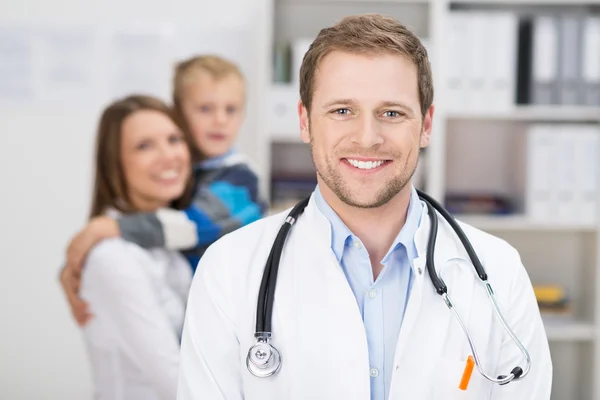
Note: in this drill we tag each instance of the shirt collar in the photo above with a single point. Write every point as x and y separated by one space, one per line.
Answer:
214 162
340 232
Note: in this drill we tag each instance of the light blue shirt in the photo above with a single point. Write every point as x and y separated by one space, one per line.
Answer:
215 162
382 303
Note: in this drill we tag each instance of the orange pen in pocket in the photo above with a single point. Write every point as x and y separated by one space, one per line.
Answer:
466 377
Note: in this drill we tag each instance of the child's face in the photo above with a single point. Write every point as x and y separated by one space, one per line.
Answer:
214 111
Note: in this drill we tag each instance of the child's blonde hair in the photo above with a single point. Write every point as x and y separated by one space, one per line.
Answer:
185 71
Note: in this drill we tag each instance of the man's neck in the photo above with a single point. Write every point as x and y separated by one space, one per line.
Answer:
377 228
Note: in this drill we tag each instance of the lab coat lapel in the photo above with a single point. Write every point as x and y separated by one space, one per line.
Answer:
414 301
330 355
445 250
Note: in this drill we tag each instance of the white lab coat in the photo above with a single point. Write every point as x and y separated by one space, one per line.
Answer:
318 328
137 298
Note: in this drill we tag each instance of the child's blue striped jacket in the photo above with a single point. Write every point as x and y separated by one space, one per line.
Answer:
226 197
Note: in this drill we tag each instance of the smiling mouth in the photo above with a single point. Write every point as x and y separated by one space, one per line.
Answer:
217 136
366 165
168 176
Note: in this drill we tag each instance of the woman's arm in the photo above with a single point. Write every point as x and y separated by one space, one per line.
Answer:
117 286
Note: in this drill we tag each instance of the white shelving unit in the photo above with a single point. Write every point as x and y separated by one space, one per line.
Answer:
535 113
521 223
553 252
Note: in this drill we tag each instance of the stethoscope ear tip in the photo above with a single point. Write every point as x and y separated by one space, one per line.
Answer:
516 373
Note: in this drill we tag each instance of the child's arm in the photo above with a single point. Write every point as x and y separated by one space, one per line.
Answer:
220 208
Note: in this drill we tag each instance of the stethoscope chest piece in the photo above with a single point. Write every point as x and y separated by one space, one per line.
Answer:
263 360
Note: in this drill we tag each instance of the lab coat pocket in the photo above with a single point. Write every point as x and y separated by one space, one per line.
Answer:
447 376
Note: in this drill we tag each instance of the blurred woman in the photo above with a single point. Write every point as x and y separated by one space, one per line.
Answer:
137 296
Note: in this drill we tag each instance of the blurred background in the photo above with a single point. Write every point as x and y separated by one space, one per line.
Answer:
515 146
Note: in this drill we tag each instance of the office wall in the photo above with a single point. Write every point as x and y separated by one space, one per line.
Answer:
45 172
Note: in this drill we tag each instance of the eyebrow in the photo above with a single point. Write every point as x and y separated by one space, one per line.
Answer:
349 102
404 106
341 102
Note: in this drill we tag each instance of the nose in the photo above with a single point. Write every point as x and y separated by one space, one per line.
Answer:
221 116
368 134
169 152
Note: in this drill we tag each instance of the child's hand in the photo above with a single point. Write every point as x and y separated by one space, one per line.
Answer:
99 228
70 282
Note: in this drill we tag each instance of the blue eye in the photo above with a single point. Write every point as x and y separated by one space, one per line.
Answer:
342 111
392 114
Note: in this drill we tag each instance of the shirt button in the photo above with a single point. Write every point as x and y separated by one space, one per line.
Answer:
374 372
373 293
357 244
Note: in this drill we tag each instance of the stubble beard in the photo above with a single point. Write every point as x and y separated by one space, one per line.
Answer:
336 184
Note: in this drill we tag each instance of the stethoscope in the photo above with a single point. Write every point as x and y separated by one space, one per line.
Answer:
264 360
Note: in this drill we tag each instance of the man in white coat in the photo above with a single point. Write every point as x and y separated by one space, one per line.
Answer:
355 313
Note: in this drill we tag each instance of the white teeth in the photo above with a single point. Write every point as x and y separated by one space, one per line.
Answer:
170 174
365 164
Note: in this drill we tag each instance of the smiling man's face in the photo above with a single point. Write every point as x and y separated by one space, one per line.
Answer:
365 126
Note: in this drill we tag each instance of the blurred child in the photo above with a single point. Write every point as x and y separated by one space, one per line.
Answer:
209 98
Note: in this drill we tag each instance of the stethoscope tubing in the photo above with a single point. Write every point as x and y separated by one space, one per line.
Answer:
269 356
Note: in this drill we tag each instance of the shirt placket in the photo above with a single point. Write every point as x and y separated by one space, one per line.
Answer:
372 308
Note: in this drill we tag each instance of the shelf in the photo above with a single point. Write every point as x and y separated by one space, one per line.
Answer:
286 138
521 223
536 113
368 2
569 331
529 2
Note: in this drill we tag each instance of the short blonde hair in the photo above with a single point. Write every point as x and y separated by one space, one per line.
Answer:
185 71
367 34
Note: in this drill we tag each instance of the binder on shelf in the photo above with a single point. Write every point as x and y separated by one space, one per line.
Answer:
477 52
281 63
283 112
587 174
565 137
481 57
299 49
540 202
524 61
569 86
545 60
590 65
457 62
501 65
563 173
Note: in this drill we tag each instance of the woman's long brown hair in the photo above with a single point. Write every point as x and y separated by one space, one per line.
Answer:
110 186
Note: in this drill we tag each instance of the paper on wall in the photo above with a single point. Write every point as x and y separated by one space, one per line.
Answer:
17 60
70 65
140 61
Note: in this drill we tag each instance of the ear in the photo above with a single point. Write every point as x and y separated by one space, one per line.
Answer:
303 115
427 127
